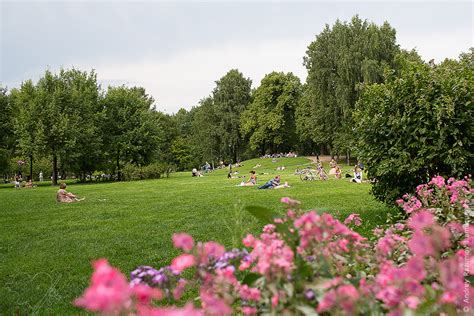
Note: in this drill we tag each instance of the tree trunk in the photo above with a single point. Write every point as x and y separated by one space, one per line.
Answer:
348 155
31 167
118 165
55 169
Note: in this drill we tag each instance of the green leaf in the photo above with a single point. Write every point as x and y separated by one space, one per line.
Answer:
307 310
261 213
250 278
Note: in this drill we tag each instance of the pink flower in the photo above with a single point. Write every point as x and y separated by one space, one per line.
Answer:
248 310
353 218
421 245
249 293
109 290
342 244
213 249
289 201
214 305
179 289
183 241
347 296
182 262
249 240
269 228
274 300
145 294
421 220
399 226
328 301
438 181
412 302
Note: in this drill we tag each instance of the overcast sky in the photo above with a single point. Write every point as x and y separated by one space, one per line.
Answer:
177 50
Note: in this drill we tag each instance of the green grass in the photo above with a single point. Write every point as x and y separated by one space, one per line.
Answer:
46 248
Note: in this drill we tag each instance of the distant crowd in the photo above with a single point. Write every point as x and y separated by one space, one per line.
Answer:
280 155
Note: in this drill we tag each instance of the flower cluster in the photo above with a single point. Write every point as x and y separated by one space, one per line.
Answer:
307 262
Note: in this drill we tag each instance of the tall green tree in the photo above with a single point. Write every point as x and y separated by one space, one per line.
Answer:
81 103
338 61
25 126
130 131
269 121
204 134
231 97
6 130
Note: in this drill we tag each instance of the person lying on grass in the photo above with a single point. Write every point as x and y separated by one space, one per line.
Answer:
274 184
66 197
252 180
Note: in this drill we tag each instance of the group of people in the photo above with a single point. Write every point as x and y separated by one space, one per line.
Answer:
281 155
274 183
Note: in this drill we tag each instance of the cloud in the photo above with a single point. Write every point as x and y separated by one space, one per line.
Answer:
184 79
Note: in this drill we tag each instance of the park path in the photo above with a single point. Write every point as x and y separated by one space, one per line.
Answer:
314 159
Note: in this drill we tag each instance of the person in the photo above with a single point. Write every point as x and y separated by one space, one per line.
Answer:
338 172
272 183
357 175
29 184
41 176
332 163
322 174
66 197
252 180
17 182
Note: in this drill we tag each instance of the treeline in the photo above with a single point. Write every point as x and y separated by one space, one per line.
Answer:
66 120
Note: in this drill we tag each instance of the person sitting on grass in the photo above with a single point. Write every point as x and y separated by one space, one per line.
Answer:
338 172
357 175
252 180
272 183
66 197
29 184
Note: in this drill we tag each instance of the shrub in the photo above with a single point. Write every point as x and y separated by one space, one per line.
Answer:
306 263
416 125
152 171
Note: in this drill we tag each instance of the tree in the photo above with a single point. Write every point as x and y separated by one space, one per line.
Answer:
269 121
231 97
6 130
25 126
416 125
85 117
129 129
338 61
204 135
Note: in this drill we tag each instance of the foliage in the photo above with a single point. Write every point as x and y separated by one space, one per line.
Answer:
152 171
342 57
269 121
204 134
130 132
231 97
305 263
416 125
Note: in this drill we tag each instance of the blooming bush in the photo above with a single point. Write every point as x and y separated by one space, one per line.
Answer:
306 263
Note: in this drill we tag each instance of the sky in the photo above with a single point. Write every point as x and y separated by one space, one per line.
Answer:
177 50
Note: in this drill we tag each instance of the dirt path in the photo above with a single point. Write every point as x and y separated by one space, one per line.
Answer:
314 159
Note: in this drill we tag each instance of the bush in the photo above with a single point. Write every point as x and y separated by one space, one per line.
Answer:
416 126
310 264
152 171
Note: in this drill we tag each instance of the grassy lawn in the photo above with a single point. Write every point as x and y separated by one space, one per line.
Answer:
46 248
